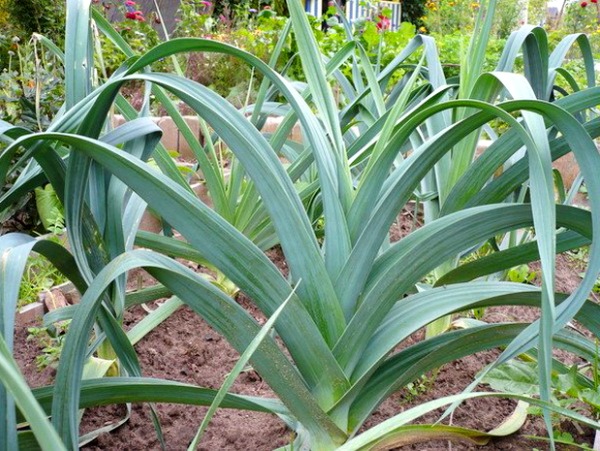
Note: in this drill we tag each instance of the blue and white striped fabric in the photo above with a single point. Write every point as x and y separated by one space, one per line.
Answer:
313 7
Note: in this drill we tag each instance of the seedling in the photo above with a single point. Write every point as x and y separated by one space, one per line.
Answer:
51 338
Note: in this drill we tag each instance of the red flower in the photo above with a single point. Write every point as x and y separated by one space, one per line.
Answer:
583 4
383 23
594 1
135 15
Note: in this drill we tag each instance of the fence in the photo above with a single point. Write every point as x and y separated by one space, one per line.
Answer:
357 9
354 10
314 7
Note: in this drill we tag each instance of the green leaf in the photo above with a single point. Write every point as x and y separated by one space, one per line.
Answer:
235 372
514 377
49 207
78 54
13 381
393 429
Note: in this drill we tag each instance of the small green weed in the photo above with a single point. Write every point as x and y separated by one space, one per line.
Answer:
39 275
521 274
51 338
570 391
414 390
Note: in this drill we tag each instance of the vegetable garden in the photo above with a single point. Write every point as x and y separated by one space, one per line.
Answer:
292 254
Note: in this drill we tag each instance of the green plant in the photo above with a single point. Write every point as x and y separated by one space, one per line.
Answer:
581 17
50 209
572 387
521 274
417 388
194 19
31 88
507 17
37 16
414 12
449 16
51 340
536 11
452 45
351 297
39 275
136 30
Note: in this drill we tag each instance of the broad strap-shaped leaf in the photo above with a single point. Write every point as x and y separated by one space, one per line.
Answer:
78 55
120 390
588 158
402 182
410 363
558 56
470 189
230 252
15 248
334 176
14 383
220 311
235 372
391 430
410 259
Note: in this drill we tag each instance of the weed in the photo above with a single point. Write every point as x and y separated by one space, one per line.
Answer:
39 275
521 274
419 387
51 338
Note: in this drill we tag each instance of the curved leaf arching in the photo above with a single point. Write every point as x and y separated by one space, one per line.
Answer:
229 251
220 311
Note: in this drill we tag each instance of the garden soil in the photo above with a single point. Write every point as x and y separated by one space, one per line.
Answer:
184 348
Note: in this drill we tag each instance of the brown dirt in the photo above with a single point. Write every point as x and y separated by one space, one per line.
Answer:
185 348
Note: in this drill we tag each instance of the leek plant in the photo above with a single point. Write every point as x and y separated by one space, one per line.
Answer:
350 298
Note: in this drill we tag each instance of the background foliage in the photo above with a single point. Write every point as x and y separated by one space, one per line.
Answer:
38 16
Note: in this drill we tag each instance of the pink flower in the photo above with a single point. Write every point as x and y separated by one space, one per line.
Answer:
383 23
129 3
